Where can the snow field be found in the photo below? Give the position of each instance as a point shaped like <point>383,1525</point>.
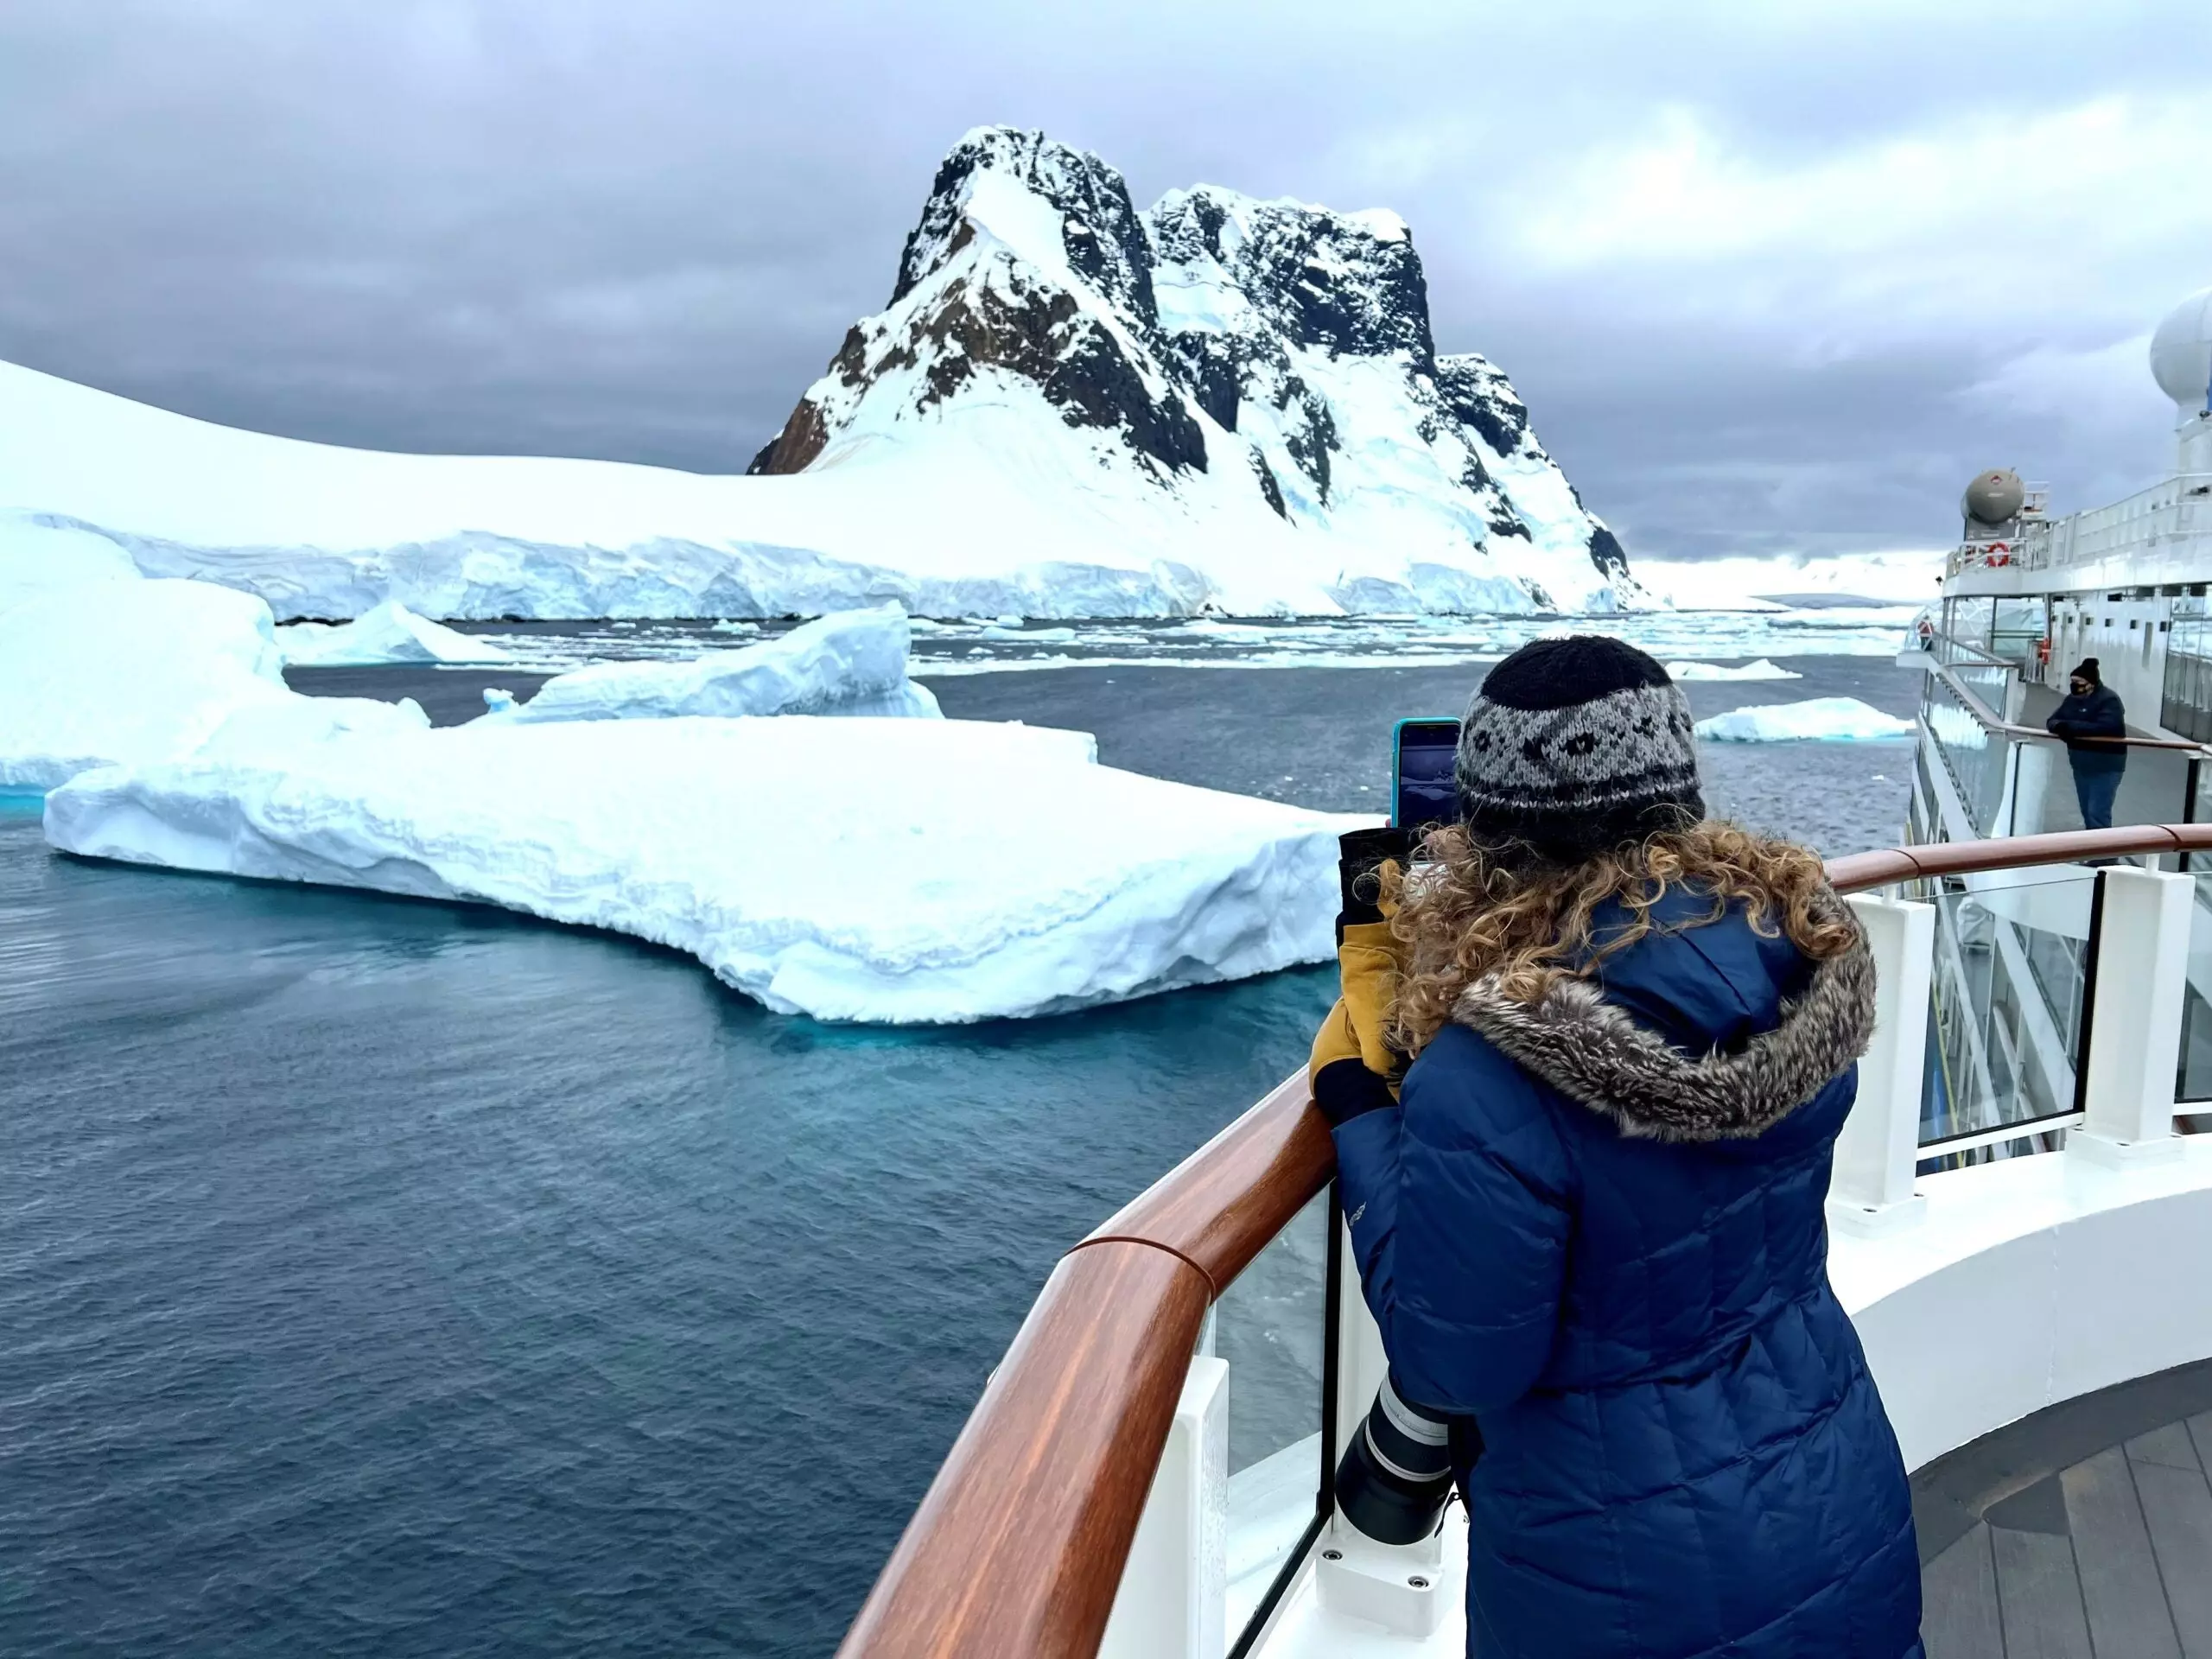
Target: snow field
<point>851,870</point>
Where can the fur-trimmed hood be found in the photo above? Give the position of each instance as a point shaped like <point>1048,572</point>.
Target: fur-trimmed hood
<point>1702,1080</point>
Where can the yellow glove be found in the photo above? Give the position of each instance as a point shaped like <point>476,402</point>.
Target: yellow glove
<point>1353,1067</point>
<point>1367,967</point>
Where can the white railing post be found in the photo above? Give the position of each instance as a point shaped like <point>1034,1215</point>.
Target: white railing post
<point>1361,1363</point>
<point>1404,1588</point>
<point>1872,1189</point>
<point>1172,1603</point>
<point>2141,968</point>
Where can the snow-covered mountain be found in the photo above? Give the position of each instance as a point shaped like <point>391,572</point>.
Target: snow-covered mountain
<point>1067,409</point>
<point>1228,354</point>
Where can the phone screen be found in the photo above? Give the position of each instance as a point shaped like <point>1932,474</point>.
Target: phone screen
<point>1424,793</point>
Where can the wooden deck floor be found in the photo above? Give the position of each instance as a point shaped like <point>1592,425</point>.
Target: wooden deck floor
<point>2039,1544</point>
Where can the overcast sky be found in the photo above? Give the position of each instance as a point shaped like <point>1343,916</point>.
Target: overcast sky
<point>1771,276</point>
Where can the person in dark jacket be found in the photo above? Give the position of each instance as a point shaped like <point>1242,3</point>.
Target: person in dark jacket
<point>2092,710</point>
<point>1591,1225</point>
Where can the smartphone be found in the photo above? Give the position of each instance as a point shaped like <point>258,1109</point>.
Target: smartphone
<point>1423,792</point>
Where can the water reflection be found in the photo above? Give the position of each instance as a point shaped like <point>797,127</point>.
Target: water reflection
<point>400,1277</point>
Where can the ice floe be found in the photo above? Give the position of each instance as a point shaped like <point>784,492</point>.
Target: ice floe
<point>1763,669</point>
<point>900,871</point>
<point>852,663</point>
<point>389,633</point>
<point>1832,719</point>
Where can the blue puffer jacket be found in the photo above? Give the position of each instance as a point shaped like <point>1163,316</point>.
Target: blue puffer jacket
<point>1595,1228</point>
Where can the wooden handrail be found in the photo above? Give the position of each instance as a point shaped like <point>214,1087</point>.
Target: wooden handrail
<point>1017,1548</point>
<point>1860,870</point>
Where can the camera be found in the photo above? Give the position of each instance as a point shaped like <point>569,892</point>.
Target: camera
<point>1395,1477</point>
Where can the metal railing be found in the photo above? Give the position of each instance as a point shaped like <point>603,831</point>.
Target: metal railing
<point>2005,773</point>
<point>2170,515</point>
<point>2179,510</point>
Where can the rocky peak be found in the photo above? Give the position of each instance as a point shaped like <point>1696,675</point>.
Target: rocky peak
<point>1215,357</point>
<point>1102,238</point>
<point>1341,283</point>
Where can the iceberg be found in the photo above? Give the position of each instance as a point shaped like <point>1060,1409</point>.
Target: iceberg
<point>1762,670</point>
<point>389,633</point>
<point>1844,719</point>
<point>852,663</point>
<point>109,671</point>
<point>907,871</point>
<point>100,666</point>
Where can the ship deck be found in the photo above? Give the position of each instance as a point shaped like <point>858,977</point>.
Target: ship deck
<point>2082,1532</point>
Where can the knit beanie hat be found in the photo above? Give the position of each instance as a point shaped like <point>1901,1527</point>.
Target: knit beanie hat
<point>2086,670</point>
<point>1573,747</point>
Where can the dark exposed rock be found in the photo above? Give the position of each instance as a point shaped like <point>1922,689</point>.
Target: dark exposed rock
<point>1269,488</point>
<point>1334,281</point>
<point>1076,363</point>
<point>1477,394</point>
<point>1210,369</point>
<point>803,437</point>
<point>1606,552</point>
<point>1309,434</point>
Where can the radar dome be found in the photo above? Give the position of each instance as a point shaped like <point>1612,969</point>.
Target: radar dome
<point>1994,497</point>
<point>2181,353</point>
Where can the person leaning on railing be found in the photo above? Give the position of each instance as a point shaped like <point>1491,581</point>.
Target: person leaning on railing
<point>1589,1222</point>
<point>2092,710</point>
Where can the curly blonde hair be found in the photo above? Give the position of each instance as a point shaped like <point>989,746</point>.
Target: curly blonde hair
<point>1470,912</point>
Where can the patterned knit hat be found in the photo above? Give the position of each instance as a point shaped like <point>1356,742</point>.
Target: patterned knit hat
<point>1573,747</point>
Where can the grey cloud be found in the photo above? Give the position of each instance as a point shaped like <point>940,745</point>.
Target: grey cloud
<point>639,230</point>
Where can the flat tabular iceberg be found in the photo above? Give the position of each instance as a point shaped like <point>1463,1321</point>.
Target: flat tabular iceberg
<point>1835,718</point>
<point>389,633</point>
<point>1762,670</point>
<point>898,871</point>
<point>852,663</point>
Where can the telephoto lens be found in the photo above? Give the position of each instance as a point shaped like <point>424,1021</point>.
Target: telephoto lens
<point>1396,1474</point>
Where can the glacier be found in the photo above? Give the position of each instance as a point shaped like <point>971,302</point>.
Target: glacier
<point>1830,719</point>
<point>1068,409</point>
<point>894,871</point>
<point>852,663</point>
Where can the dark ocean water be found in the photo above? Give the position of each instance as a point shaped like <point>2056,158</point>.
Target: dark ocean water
<point>383,1277</point>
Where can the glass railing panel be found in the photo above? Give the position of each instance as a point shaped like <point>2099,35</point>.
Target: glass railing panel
<point>2156,786</point>
<point>2193,1078</point>
<point>1974,756</point>
<point>2007,1025</point>
<point>1271,1325</point>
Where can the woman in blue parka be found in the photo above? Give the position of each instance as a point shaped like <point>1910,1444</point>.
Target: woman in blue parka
<point>1591,1226</point>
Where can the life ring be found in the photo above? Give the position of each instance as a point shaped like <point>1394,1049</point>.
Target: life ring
<point>1997,553</point>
